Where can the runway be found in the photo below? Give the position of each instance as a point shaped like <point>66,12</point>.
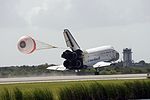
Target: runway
<point>70,78</point>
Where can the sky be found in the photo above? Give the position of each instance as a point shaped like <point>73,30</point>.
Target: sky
<point>120,23</point>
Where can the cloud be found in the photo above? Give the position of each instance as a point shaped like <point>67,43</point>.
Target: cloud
<point>59,14</point>
<point>95,13</point>
<point>121,23</point>
<point>9,16</point>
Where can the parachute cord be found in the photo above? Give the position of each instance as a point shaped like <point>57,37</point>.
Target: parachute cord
<point>46,44</point>
<point>49,46</point>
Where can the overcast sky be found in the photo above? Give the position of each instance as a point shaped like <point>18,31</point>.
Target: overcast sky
<point>120,23</point>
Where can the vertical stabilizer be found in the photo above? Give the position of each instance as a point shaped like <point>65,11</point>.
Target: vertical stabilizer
<point>70,41</point>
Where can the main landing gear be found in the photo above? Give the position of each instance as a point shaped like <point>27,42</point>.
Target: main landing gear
<point>97,70</point>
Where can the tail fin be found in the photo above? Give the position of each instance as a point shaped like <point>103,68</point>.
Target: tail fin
<point>70,41</point>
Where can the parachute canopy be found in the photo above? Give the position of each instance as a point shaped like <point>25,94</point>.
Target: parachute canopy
<point>27,45</point>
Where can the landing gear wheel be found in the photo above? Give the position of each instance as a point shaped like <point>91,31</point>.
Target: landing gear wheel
<point>97,71</point>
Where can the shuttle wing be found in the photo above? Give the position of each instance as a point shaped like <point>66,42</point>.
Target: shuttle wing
<point>70,41</point>
<point>101,64</point>
<point>57,68</point>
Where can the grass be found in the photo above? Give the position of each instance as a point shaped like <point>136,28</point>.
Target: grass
<point>81,90</point>
<point>111,91</point>
<point>5,94</point>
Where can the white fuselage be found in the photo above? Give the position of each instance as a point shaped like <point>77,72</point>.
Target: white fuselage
<point>95,55</point>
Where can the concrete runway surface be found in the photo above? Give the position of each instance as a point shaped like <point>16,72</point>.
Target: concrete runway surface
<point>70,78</point>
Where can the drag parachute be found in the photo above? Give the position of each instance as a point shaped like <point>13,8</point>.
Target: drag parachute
<point>27,45</point>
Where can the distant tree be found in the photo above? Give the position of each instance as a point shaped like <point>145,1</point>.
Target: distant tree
<point>142,62</point>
